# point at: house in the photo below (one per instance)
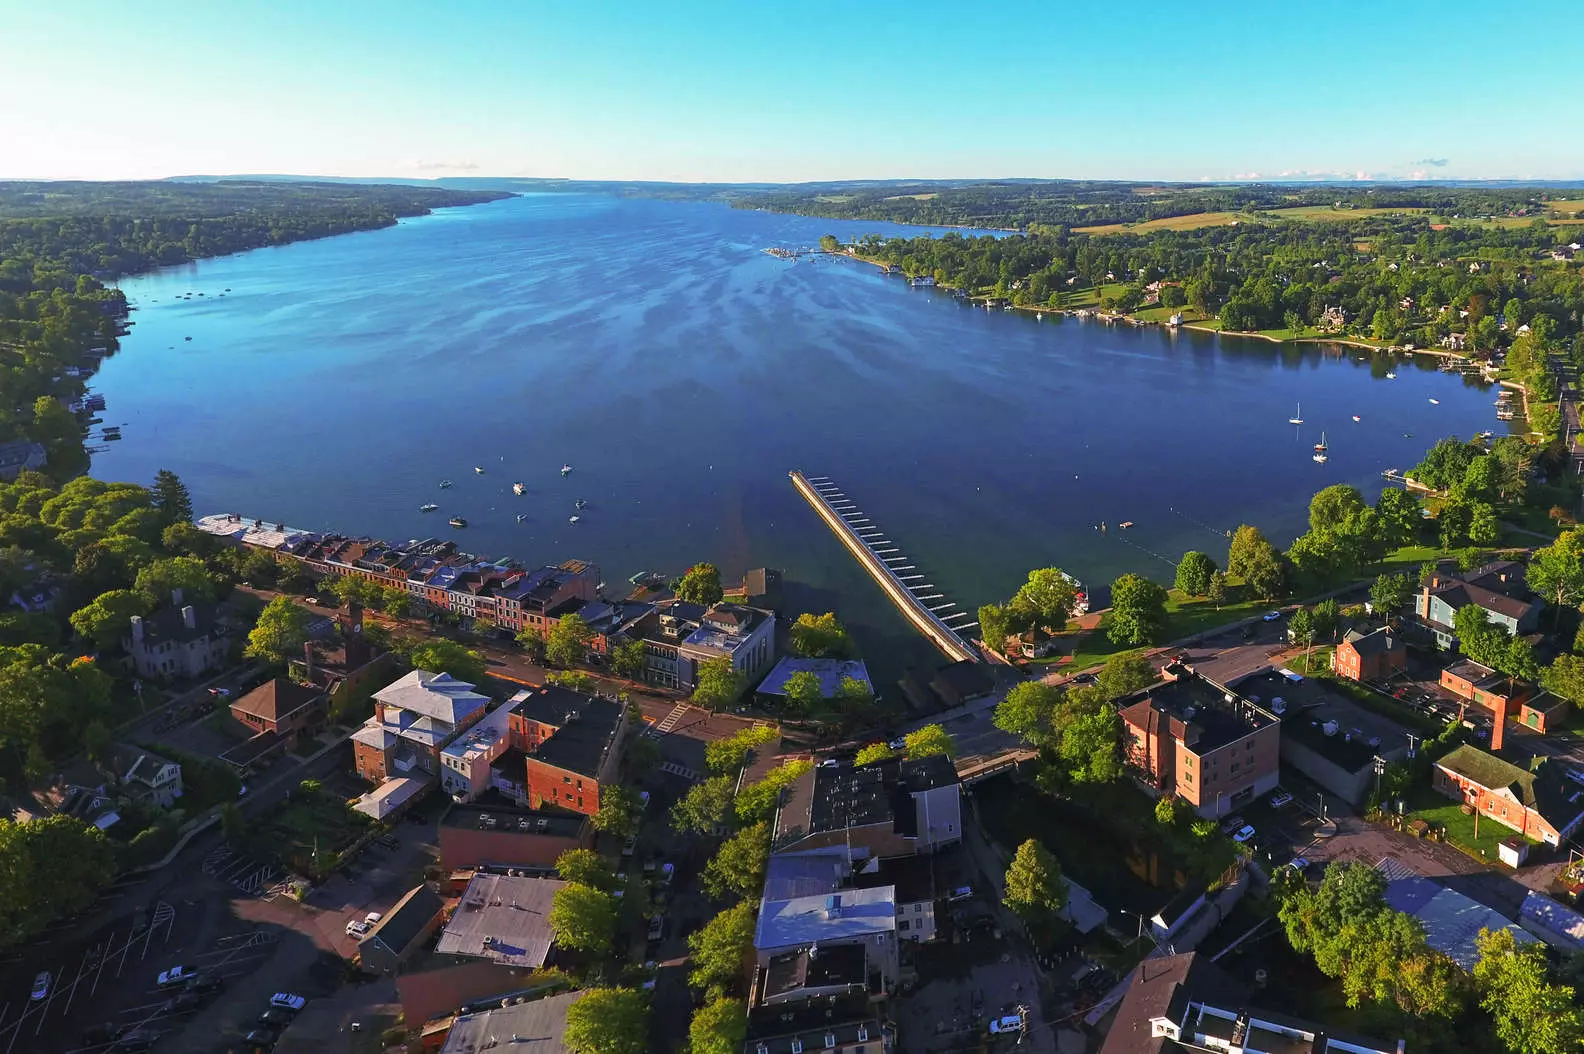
(537, 599)
(540, 1022)
(502, 918)
(348, 670)
(393, 796)
(1332, 319)
(864, 919)
(497, 835)
(1035, 643)
(1505, 696)
(1374, 656)
(1455, 341)
(1199, 741)
(180, 642)
(1498, 588)
(890, 808)
(960, 683)
(404, 929)
(743, 634)
(20, 455)
(415, 718)
(146, 776)
(465, 761)
(1544, 802)
(830, 673)
(914, 878)
(284, 707)
(571, 743)
(1180, 1003)
(837, 1025)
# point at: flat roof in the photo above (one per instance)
(392, 795)
(1452, 921)
(502, 918)
(532, 1027)
(490, 730)
(259, 533)
(830, 673)
(1193, 700)
(1310, 704)
(845, 915)
(514, 821)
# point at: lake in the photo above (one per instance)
(682, 372)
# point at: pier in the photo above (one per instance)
(920, 600)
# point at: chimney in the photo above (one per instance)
(189, 616)
(137, 629)
(176, 597)
(1501, 724)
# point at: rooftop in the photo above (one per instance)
(170, 623)
(842, 796)
(840, 966)
(848, 1019)
(1477, 674)
(437, 696)
(584, 738)
(1376, 642)
(508, 820)
(391, 795)
(1198, 710)
(277, 698)
(848, 915)
(1544, 788)
(258, 533)
(1451, 921)
(830, 672)
(1313, 705)
(403, 923)
(482, 737)
(725, 628)
(534, 1027)
(502, 918)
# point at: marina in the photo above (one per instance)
(920, 602)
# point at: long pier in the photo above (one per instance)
(919, 600)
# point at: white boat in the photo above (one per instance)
(431, 507)
(479, 469)
(1320, 458)
(518, 488)
(1320, 447)
(1355, 417)
(1435, 402)
(1390, 376)
(580, 503)
(573, 519)
(1297, 418)
(457, 521)
(444, 484)
(566, 470)
(522, 517)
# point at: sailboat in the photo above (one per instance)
(1320, 449)
(430, 507)
(566, 470)
(1435, 402)
(1296, 418)
(1390, 376)
(518, 488)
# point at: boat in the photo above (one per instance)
(1320, 447)
(457, 521)
(430, 507)
(519, 487)
(1355, 417)
(1390, 376)
(1435, 402)
(566, 470)
(522, 517)
(479, 469)
(1297, 418)
(580, 503)
(444, 484)
(1320, 458)
(573, 519)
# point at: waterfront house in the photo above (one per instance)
(679, 636)
(414, 719)
(178, 642)
(1498, 588)
(1333, 319)
(1542, 801)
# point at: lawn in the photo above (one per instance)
(1427, 805)
(309, 824)
(1572, 208)
(1191, 222)
(1185, 617)
(1327, 214)
(1161, 314)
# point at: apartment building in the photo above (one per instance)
(414, 719)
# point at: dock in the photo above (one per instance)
(919, 600)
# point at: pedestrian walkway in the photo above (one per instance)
(667, 723)
(680, 770)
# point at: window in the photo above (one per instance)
(903, 925)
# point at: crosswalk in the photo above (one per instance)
(667, 723)
(680, 770)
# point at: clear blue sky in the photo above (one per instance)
(766, 91)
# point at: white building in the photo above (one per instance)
(178, 642)
(465, 762)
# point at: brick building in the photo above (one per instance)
(414, 719)
(571, 744)
(1544, 802)
(281, 706)
(1373, 656)
(487, 835)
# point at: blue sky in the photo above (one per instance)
(785, 92)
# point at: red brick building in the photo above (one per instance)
(281, 706)
(572, 742)
(1373, 656)
(489, 836)
(1540, 802)
(1500, 694)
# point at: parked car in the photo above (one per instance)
(1280, 799)
(41, 986)
(629, 845)
(1005, 1024)
(372, 919)
(274, 1018)
(1086, 678)
(1299, 864)
(657, 927)
(185, 1003)
(205, 982)
(287, 1001)
(260, 1037)
(1272, 616)
(357, 928)
(137, 1039)
(960, 893)
(1231, 824)
(176, 975)
(899, 743)
(220, 693)
(1244, 834)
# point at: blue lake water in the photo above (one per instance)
(682, 372)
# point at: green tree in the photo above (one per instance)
(1326, 616)
(701, 584)
(567, 642)
(1565, 677)
(1050, 595)
(1390, 594)
(1217, 591)
(1483, 528)
(929, 741)
(171, 498)
(1301, 627)
(96, 740)
(757, 801)
(1246, 542)
(233, 825)
(279, 634)
(1125, 674)
(1294, 323)
(828, 242)
(160, 579)
(618, 812)
(49, 867)
(532, 641)
(1194, 571)
(583, 918)
(628, 659)
(575, 680)
(350, 590)
(1035, 890)
(726, 756)
(738, 867)
(608, 1021)
(1400, 516)
(109, 617)
(586, 867)
(1330, 508)
(870, 753)
(438, 655)
(1556, 572)
(397, 603)
(719, 1026)
(1138, 611)
(719, 684)
(706, 806)
(720, 949)
(821, 637)
(1531, 1013)
(994, 627)
(1028, 711)
(1089, 748)
(803, 693)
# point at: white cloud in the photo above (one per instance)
(437, 166)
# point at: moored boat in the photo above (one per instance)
(430, 507)
(573, 519)
(457, 521)
(444, 484)
(519, 487)
(566, 470)
(1297, 417)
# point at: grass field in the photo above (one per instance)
(912, 197)
(1185, 617)
(1191, 222)
(1573, 208)
(1431, 807)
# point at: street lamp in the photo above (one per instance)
(1380, 770)
(1140, 917)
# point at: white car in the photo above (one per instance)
(1244, 834)
(1299, 864)
(41, 986)
(357, 928)
(899, 743)
(287, 1001)
(372, 918)
(176, 975)
(1009, 1023)
(1280, 799)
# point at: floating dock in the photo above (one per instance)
(920, 601)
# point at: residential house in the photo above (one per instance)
(889, 808)
(829, 672)
(499, 835)
(571, 744)
(742, 634)
(465, 761)
(1504, 696)
(180, 642)
(348, 670)
(1544, 802)
(403, 931)
(537, 599)
(541, 1024)
(1181, 1003)
(414, 719)
(282, 707)
(914, 879)
(864, 918)
(837, 1025)
(663, 633)
(1199, 741)
(20, 455)
(1332, 319)
(1375, 656)
(608, 621)
(1498, 588)
(502, 918)
(146, 776)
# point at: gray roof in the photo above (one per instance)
(829, 671)
(433, 695)
(533, 1027)
(1452, 922)
(403, 923)
(503, 918)
(848, 915)
(804, 874)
